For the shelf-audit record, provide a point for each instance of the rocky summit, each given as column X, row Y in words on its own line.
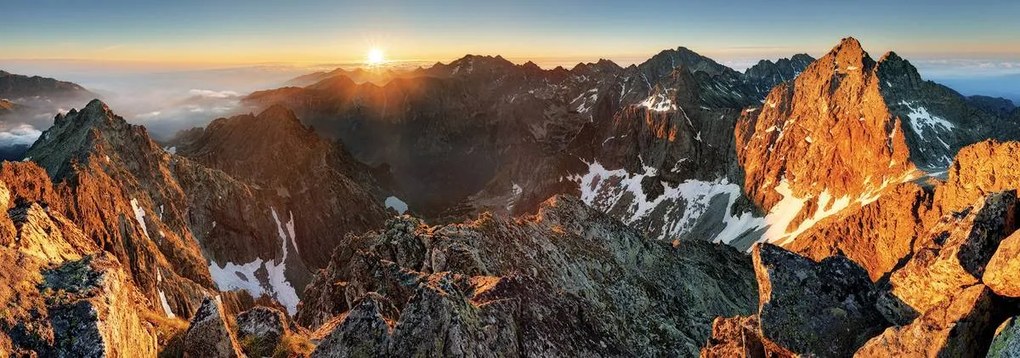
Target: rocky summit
column 832, row 207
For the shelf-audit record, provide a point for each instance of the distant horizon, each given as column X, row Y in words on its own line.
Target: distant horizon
column 969, row 76
column 197, row 34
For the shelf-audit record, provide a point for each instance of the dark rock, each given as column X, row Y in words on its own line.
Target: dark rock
column 363, row 332
column 208, row 335
column 825, row 309
column 569, row 281
column 1006, row 343
column 260, row 330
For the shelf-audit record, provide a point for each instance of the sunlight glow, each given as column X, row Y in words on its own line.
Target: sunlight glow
column 376, row 57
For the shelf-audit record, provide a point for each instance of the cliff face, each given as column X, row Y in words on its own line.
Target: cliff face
column 315, row 186
column 63, row 294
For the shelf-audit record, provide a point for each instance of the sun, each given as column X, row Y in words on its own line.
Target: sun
column 376, row 57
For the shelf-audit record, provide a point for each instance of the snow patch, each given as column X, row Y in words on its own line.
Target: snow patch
column 285, row 293
column 166, row 305
column 242, row 277
column 658, row 103
column 605, row 190
column 922, row 121
column 139, row 216
column 162, row 296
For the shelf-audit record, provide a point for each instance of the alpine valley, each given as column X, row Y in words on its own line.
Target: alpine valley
column 832, row 207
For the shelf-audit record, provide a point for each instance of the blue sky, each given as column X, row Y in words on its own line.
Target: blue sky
column 245, row 32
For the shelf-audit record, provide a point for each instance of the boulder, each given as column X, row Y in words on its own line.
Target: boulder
column 260, row 330
column 363, row 332
column 734, row 337
column 1001, row 273
column 958, row 327
column 825, row 308
column 953, row 255
column 1006, row 343
column 208, row 335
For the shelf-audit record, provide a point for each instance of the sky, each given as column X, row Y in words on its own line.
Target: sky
column 221, row 33
column 176, row 64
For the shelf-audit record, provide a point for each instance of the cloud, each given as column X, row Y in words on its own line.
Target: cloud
column 966, row 67
column 20, row 134
column 213, row 94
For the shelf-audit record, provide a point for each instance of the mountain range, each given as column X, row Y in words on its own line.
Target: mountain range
column 839, row 206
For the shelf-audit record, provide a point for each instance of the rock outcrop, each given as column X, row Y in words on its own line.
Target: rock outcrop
column 1006, row 343
column 63, row 295
column 260, row 330
column 1000, row 273
column 567, row 281
column 208, row 334
column 823, row 309
column 953, row 255
column 736, row 337
column 958, row 327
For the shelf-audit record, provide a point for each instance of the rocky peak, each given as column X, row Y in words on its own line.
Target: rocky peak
column 765, row 75
column 476, row 64
column 848, row 56
column 334, row 83
column 832, row 116
column 664, row 62
column 603, row 66
column 897, row 74
column 94, row 132
column 531, row 66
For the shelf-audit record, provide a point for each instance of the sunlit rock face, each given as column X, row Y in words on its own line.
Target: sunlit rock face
column 168, row 231
column 63, row 295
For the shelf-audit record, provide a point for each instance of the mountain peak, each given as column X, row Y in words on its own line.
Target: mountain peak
column 278, row 111
column 76, row 135
column 848, row 48
column 849, row 43
column 890, row 56
column 93, row 113
column 531, row 66
column 848, row 55
column 803, row 57
column 97, row 106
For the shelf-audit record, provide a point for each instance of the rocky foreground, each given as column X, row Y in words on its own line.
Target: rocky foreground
column 926, row 271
